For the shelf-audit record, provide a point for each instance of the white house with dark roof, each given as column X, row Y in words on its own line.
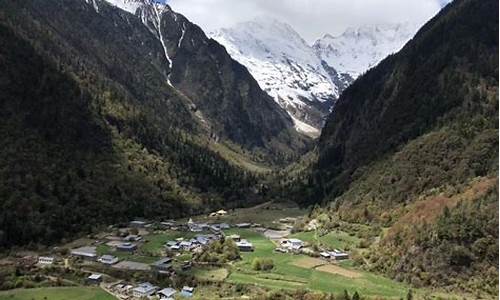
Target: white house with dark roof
column 292, row 244
column 45, row 260
column 85, row 252
column 144, row 290
column 126, row 247
column 94, row 279
column 163, row 265
column 166, row 294
column 187, row 292
column 339, row 255
column 108, row 259
column 244, row 245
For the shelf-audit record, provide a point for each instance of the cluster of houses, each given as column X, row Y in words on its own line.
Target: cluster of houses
column 193, row 244
column 296, row 246
column 147, row 290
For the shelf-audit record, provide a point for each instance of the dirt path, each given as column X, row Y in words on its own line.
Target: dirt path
column 334, row 269
column 324, row 266
column 309, row 263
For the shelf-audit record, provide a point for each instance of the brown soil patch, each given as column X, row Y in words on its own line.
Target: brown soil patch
column 334, row 269
column 309, row 262
column 431, row 208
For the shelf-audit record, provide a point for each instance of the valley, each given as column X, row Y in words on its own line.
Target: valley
column 145, row 158
column 301, row 269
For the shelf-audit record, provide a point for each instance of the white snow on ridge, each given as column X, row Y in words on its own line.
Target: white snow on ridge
column 127, row 5
column 283, row 64
column 278, row 58
column 357, row 50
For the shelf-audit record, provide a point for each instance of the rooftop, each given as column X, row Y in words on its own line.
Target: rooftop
column 145, row 288
column 95, row 277
column 163, row 261
column 85, row 251
column 167, row 292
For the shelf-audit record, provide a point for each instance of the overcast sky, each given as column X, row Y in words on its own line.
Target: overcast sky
column 311, row 18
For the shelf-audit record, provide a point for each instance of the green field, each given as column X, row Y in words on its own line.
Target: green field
column 150, row 250
column 265, row 214
column 286, row 275
column 154, row 243
column 63, row 293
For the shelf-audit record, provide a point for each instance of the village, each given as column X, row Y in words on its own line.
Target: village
column 147, row 250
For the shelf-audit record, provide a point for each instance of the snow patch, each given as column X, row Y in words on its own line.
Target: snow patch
column 305, row 128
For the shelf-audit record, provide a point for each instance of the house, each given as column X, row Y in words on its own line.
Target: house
column 223, row 226
column 138, row 224
column 186, row 245
column 108, row 259
column 292, row 244
column 244, row 246
column 186, row 265
column 339, row 255
column 45, row 260
column 166, row 294
column 221, row 212
column 163, row 265
column 94, row 279
column 215, row 228
column 144, row 290
column 187, row 292
column 201, row 240
column 132, row 238
column 126, row 247
column 85, row 252
column 244, row 225
column 173, row 245
column 168, row 224
column 195, row 227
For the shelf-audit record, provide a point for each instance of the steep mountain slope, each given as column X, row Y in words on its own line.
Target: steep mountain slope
column 286, row 67
column 104, row 119
column 413, row 145
column 359, row 49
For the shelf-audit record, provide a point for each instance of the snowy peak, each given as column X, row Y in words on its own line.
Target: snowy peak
column 285, row 66
column 359, row 49
column 264, row 37
column 132, row 6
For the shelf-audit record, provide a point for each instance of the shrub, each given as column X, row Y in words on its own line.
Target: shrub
column 262, row 264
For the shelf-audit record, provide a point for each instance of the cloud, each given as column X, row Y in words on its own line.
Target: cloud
column 311, row 18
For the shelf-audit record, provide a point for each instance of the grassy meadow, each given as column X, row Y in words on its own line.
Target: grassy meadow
column 63, row 293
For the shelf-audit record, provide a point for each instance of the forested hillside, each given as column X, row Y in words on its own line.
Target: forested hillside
column 93, row 132
column 412, row 146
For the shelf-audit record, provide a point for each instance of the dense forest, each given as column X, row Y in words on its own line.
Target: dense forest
column 415, row 141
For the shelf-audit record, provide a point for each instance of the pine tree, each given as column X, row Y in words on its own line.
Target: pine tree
column 409, row 296
column 355, row 296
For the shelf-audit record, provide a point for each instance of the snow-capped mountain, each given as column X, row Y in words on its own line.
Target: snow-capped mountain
column 286, row 67
column 220, row 94
column 359, row 49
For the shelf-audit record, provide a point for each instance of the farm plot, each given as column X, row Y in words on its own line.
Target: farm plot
column 300, row 271
column 62, row 293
